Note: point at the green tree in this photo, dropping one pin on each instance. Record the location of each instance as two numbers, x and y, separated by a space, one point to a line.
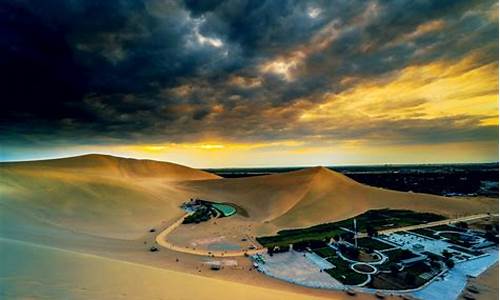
450 263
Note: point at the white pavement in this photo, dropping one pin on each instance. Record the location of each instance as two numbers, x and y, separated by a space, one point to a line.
455 280
294 267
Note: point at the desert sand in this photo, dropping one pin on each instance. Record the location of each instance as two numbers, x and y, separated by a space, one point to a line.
98 211
318 195
487 283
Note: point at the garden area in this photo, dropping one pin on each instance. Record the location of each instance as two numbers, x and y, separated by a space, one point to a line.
202 211
325 252
380 219
202 214
398 255
358 254
370 243
409 278
316 233
370 221
343 272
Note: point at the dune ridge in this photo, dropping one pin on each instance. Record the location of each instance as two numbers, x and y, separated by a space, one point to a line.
107 165
120 197
107 206
318 195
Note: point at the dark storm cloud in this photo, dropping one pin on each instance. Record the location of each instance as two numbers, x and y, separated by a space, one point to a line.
153 71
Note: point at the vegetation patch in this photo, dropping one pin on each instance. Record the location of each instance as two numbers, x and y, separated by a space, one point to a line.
343 272
358 254
397 255
202 214
287 237
380 219
371 221
364 268
325 252
409 278
203 210
370 243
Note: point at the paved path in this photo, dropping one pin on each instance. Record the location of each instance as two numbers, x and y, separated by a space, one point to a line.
161 239
437 223
430 224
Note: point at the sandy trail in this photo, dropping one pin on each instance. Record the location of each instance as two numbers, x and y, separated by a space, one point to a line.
162 240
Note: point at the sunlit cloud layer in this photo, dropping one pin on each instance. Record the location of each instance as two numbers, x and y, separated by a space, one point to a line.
236 83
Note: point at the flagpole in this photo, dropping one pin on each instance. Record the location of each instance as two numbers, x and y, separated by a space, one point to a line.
355 234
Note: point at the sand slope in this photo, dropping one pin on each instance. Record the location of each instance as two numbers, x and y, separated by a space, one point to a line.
317 195
106 205
106 165
121 198
25 276
96 194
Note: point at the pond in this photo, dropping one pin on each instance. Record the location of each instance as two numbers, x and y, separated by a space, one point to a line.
226 209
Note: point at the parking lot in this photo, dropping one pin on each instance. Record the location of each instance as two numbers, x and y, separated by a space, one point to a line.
298 268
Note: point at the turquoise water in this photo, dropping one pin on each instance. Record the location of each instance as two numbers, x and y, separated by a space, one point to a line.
225 209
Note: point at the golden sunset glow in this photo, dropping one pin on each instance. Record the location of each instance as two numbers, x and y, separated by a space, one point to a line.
305 84
417 92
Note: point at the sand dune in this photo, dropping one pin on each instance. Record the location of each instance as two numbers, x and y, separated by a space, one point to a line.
317 195
80 276
106 205
121 198
96 194
106 165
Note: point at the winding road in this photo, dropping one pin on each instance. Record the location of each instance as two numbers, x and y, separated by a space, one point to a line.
161 239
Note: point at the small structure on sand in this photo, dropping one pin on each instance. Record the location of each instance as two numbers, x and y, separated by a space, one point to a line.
214 265
350 292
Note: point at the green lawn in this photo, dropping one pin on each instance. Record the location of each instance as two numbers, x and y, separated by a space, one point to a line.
397 255
284 238
409 278
390 218
325 252
343 273
373 244
378 219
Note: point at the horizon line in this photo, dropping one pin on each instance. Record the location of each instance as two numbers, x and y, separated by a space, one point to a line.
259 166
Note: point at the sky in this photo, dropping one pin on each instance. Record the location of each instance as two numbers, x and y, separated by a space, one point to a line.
250 83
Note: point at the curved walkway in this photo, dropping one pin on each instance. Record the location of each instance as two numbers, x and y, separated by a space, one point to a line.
373 269
161 239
